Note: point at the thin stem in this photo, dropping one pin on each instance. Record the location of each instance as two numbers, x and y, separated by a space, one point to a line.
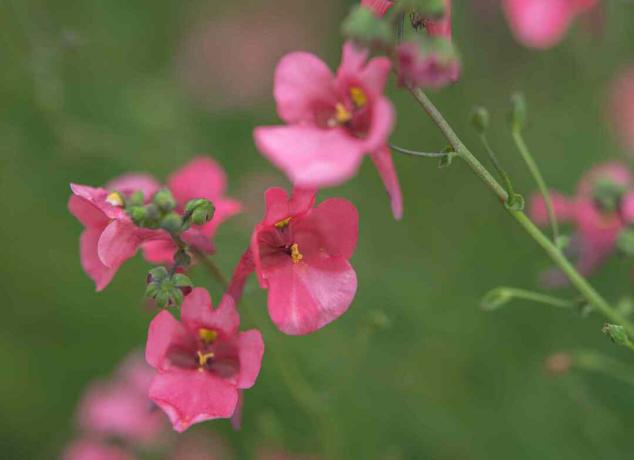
577 280
417 153
508 185
523 294
539 179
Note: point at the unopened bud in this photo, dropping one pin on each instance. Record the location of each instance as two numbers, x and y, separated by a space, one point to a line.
136 199
172 222
616 333
518 111
364 27
165 200
480 119
200 211
138 214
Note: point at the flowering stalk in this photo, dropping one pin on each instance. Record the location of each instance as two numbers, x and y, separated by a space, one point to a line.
551 249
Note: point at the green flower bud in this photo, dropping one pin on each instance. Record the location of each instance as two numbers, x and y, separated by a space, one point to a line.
617 334
138 214
480 119
164 200
364 27
200 211
136 199
172 223
518 111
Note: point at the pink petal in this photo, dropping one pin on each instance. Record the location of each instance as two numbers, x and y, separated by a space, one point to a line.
302 82
335 222
379 7
382 159
375 74
303 298
133 182
190 396
562 206
90 261
164 331
159 251
200 178
118 242
97 197
197 312
353 59
311 157
383 116
539 23
86 212
279 206
251 346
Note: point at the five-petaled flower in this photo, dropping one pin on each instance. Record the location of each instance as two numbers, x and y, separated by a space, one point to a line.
109 237
543 23
200 178
333 121
301 256
595 210
203 361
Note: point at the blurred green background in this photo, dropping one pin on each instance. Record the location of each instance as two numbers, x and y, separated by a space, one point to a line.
91 89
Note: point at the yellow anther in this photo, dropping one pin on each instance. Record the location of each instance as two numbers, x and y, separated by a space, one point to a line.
342 115
295 254
115 199
358 96
202 359
283 223
207 335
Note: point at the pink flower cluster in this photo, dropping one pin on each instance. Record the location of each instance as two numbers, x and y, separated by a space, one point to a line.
601 208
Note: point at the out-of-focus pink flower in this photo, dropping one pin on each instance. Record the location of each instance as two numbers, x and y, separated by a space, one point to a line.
202 361
301 256
441 27
109 237
333 121
200 178
596 211
543 23
120 407
425 69
622 107
379 7
86 449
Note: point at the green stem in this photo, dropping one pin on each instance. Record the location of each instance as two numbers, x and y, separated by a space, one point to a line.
523 294
508 185
539 179
577 280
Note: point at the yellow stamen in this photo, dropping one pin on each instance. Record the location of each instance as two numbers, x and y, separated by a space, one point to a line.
358 96
295 254
342 115
283 223
115 199
207 335
202 359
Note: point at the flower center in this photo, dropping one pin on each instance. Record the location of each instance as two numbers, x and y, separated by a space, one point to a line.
115 199
344 113
358 97
295 254
202 359
207 335
283 223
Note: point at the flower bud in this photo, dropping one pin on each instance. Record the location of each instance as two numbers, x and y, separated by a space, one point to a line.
200 211
164 200
518 111
136 199
172 223
616 333
138 214
364 27
480 119
429 63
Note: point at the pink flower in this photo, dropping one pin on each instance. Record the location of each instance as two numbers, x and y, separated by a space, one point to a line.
86 449
120 407
622 107
109 237
379 7
429 69
333 121
200 178
202 361
543 23
301 256
595 211
441 27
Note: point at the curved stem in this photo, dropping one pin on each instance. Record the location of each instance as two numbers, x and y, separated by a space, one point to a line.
577 280
508 185
416 153
539 179
523 294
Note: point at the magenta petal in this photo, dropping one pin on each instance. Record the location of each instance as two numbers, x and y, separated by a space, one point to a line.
197 312
164 331
375 74
200 178
539 23
118 243
310 156
86 212
130 183
302 81
90 261
382 123
190 396
159 251
382 159
563 208
336 224
251 346
353 59
97 196
306 297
